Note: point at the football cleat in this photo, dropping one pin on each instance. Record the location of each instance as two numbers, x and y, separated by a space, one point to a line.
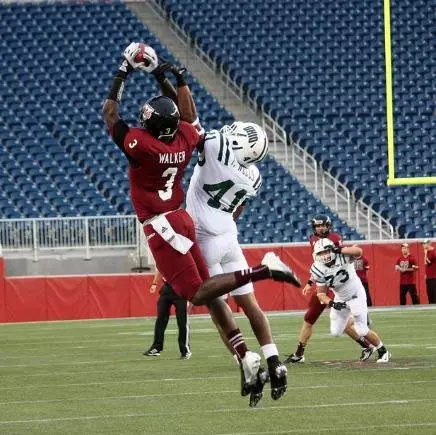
152 352
384 358
294 358
256 392
278 377
250 366
366 353
186 355
245 388
279 271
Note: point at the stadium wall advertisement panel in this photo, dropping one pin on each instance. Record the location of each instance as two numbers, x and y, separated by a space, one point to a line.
24 299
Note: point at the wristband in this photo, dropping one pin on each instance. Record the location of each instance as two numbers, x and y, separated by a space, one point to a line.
116 91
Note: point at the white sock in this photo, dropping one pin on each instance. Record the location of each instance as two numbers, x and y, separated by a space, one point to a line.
379 345
269 350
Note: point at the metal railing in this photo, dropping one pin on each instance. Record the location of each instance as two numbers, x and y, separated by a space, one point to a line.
70 233
365 216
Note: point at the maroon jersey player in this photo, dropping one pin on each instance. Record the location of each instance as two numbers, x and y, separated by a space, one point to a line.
158 153
407 265
361 265
321 227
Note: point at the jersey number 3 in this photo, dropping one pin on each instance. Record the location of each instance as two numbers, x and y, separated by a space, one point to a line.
167 193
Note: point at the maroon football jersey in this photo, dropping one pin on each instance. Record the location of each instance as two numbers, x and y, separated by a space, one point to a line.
361 265
155 184
430 267
406 262
334 237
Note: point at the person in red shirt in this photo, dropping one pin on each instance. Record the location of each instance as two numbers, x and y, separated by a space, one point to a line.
362 266
158 153
321 227
430 270
406 265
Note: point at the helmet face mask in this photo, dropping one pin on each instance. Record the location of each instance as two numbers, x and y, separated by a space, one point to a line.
321 225
248 141
160 117
323 252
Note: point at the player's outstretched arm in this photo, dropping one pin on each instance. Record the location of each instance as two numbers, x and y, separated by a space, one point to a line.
137 56
352 251
166 87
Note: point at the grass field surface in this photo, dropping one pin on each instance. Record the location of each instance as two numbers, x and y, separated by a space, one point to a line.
90 377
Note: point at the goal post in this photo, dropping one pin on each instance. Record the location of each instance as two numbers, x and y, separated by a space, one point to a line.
392 180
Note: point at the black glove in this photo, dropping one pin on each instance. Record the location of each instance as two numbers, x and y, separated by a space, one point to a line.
177 71
160 70
337 305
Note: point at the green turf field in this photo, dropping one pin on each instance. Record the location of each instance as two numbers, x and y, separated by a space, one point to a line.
90 377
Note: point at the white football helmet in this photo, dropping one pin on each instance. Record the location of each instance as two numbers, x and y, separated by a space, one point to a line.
323 251
248 140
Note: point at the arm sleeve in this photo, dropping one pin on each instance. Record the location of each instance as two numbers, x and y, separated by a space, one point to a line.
119 131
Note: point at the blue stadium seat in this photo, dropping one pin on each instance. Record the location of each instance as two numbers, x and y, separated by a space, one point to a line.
335 73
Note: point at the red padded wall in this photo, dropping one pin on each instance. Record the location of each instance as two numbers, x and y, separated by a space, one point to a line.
100 296
109 296
67 298
25 299
2 292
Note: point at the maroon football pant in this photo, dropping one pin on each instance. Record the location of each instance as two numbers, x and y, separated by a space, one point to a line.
315 308
184 272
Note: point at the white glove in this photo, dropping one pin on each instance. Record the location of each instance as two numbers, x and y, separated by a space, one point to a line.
141 56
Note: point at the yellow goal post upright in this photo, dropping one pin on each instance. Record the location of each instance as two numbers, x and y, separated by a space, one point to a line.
392 180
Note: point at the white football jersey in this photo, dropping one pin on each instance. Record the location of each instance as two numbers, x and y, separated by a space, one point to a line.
218 186
341 277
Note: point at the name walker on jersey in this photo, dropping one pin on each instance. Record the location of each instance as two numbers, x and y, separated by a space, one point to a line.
172 158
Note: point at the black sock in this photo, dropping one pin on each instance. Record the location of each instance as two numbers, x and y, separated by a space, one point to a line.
272 361
300 349
381 351
362 342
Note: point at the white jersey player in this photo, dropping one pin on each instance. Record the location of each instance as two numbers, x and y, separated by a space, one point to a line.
224 178
219 185
333 268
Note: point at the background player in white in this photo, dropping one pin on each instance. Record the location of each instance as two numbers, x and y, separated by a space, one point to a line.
224 178
333 268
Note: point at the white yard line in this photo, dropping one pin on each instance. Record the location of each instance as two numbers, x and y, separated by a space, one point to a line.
200 393
224 411
301 371
208 378
339 429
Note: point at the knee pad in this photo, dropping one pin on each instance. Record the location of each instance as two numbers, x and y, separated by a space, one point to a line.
335 331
